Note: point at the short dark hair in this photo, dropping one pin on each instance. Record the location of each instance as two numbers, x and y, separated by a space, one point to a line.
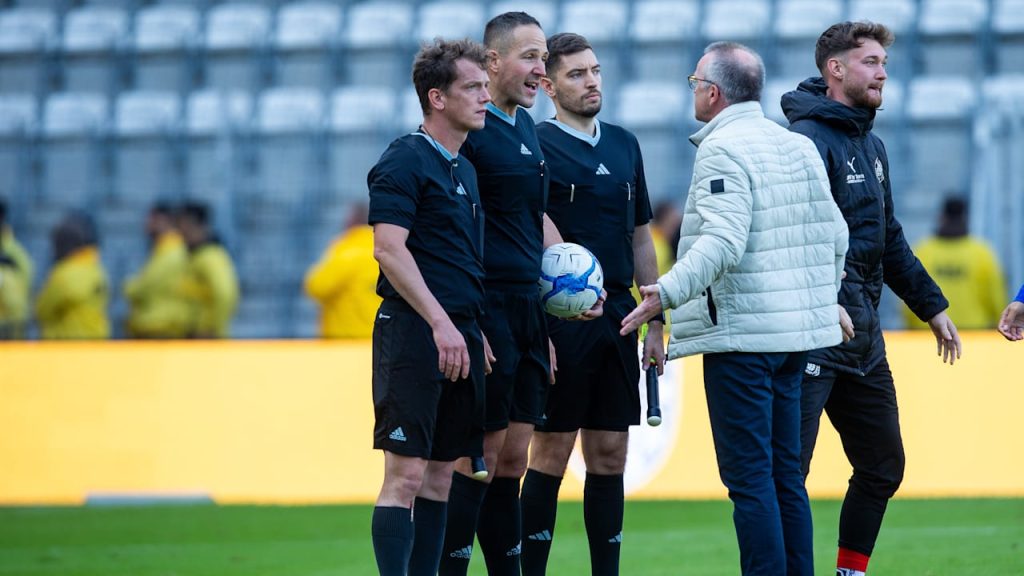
499 30
162 208
564 44
845 36
739 81
434 66
198 212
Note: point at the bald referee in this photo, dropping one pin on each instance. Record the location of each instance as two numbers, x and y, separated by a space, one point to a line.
428 351
513 187
598 198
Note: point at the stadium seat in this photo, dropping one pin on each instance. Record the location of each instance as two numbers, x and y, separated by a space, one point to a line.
721 21
1004 89
949 37
305 43
92 43
450 19
378 50
17 124
289 124
73 173
939 114
660 114
357 140
899 16
545 12
164 41
26 36
412 114
798 23
236 36
603 23
1008 26
771 97
215 125
663 32
145 126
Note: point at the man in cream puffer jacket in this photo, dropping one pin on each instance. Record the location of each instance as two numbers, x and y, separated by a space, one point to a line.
755 287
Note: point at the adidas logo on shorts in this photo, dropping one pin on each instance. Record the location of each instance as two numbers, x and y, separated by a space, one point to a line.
398 435
516 550
544 536
463 553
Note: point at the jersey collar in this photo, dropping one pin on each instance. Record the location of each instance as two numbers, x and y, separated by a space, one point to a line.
511 120
437 145
592 140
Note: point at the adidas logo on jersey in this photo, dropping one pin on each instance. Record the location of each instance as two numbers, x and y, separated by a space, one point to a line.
601 170
516 550
524 150
544 536
398 435
617 539
462 553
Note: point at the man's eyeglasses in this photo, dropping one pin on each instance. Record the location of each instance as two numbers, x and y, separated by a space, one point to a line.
693 80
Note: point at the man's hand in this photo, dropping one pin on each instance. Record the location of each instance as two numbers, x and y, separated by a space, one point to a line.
946 339
846 323
596 311
654 347
1011 323
452 353
554 362
649 307
488 356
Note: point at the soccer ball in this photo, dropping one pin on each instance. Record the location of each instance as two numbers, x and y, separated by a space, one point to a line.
571 280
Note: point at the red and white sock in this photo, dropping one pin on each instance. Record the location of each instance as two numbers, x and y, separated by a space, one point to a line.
850 563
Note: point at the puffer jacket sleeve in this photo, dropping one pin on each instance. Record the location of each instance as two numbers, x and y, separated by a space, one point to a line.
724 205
901 269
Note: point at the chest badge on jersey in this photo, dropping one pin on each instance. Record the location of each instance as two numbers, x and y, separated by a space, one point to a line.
879 171
602 171
524 150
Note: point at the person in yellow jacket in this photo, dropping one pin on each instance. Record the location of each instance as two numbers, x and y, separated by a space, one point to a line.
74 298
16 270
211 285
965 268
158 308
344 281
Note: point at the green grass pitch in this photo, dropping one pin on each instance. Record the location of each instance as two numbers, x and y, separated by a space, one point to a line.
982 537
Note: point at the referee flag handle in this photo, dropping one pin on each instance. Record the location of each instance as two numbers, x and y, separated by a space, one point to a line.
653 400
479 468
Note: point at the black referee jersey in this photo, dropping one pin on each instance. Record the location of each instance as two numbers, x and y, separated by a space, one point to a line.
419 186
513 188
598 193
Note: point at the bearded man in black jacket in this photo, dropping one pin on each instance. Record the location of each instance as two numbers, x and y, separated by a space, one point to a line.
852 381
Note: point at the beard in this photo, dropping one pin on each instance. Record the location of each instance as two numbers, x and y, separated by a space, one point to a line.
861 97
581 107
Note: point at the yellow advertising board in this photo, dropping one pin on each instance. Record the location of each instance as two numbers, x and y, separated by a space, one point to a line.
291 422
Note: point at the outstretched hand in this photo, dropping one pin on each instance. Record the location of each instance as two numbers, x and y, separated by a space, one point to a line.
946 338
1011 323
649 307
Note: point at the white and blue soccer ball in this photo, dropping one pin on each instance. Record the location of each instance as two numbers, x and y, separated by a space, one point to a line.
571 280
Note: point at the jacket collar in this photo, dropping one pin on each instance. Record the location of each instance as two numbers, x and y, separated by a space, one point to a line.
731 113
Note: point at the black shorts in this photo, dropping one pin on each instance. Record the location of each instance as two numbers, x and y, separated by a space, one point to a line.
597 385
517 386
419 412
